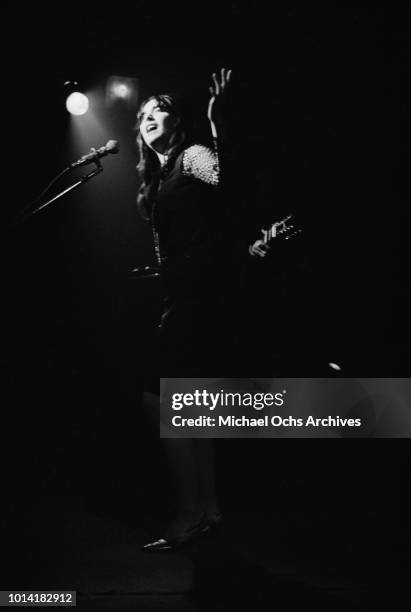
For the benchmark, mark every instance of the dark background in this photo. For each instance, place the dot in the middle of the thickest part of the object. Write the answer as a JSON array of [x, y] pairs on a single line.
[[317, 122], [317, 117]]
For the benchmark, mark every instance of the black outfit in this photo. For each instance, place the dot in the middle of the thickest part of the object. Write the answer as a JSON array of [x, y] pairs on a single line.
[[188, 220]]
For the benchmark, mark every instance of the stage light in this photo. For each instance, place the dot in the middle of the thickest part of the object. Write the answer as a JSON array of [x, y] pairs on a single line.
[[121, 90], [77, 103], [124, 89]]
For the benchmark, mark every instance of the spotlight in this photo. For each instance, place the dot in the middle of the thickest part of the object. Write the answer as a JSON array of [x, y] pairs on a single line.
[[77, 103], [121, 88]]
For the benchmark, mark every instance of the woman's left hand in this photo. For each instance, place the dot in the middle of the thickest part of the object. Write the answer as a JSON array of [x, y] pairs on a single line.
[[218, 91]]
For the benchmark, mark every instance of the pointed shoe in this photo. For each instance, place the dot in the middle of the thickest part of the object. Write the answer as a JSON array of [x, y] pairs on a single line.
[[182, 539]]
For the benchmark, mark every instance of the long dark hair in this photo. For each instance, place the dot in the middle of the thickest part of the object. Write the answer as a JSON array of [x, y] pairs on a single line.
[[148, 167]]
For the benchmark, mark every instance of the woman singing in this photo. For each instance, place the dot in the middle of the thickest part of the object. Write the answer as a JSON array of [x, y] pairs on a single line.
[[181, 196]]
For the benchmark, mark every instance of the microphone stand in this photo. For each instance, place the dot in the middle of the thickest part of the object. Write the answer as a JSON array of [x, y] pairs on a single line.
[[99, 168]]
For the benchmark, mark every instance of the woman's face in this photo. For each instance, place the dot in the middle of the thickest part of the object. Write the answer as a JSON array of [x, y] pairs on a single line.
[[156, 126]]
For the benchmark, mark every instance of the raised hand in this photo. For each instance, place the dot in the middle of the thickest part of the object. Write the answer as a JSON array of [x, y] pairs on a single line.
[[218, 92]]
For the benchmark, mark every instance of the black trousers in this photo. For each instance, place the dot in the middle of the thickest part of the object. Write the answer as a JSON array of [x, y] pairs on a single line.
[[195, 336]]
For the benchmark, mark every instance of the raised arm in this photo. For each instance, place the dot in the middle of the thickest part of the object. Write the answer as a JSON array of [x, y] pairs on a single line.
[[215, 113], [205, 164]]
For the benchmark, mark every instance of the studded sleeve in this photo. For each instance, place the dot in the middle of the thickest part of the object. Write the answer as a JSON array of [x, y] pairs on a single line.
[[202, 163]]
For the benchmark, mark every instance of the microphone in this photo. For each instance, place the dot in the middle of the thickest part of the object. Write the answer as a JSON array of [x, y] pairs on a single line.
[[95, 154]]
